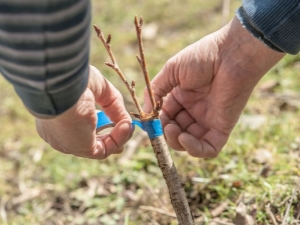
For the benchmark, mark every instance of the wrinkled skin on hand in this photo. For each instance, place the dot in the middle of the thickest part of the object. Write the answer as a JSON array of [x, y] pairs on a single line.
[[205, 87], [74, 131]]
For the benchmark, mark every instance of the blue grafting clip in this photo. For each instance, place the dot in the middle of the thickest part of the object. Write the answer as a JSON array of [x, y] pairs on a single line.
[[152, 127]]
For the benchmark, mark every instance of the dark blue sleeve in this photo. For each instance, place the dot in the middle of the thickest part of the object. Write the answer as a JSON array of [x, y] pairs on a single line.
[[275, 22], [44, 51]]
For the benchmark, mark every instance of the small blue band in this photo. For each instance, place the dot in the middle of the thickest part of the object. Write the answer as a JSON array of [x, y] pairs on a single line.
[[152, 127], [103, 120]]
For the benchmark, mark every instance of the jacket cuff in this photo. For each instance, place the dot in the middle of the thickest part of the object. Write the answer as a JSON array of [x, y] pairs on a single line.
[[55, 102], [275, 22]]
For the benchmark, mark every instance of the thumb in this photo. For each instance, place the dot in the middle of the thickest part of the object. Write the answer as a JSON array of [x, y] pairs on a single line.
[[111, 101], [107, 96]]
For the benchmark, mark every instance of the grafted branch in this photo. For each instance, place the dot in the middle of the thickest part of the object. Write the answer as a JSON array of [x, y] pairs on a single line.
[[114, 65], [142, 61]]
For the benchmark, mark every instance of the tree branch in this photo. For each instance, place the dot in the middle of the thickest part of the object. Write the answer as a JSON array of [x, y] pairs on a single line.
[[115, 67], [142, 61]]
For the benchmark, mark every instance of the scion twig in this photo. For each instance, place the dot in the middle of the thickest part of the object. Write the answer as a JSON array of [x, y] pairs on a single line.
[[142, 61], [114, 65]]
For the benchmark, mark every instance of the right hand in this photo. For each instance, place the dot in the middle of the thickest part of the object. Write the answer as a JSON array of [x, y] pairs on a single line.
[[74, 131], [206, 86]]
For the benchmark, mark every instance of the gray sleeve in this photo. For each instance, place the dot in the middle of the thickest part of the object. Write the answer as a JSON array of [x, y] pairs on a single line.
[[275, 22], [44, 51]]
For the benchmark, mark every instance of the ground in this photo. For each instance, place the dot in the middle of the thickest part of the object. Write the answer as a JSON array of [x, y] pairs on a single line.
[[257, 171]]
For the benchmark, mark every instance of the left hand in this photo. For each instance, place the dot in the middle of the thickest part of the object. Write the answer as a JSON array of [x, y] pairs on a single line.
[[74, 131]]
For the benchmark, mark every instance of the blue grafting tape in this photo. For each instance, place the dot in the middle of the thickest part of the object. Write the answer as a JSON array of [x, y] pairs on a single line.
[[103, 120], [152, 127], [138, 123]]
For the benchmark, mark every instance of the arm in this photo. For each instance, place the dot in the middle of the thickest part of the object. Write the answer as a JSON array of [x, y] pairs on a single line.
[[44, 53], [44, 50]]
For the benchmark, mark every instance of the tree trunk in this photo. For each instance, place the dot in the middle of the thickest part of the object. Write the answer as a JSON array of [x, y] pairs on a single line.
[[175, 186]]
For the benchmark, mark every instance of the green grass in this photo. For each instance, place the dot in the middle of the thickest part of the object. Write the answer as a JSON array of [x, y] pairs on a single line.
[[79, 191]]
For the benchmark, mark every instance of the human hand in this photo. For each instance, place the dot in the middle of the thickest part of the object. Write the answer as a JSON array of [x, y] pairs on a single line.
[[206, 86], [74, 131]]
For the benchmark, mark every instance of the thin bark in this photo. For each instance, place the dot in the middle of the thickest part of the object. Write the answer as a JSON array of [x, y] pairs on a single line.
[[175, 186], [142, 61]]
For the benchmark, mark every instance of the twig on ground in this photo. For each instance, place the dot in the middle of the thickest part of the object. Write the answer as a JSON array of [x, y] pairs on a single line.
[[154, 222], [220, 209], [26, 196], [283, 202], [3, 213], [218, 221], [270, 214], [290, 203], [154, 194], [131, 147], [298, 211], [150, 208], [240, 199], [215, 212], [280, 96]]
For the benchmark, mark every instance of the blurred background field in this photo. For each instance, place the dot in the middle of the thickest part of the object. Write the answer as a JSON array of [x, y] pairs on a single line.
[[257, 169]]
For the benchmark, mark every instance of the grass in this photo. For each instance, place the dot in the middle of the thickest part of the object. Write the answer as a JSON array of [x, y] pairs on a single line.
[[259, 164]]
